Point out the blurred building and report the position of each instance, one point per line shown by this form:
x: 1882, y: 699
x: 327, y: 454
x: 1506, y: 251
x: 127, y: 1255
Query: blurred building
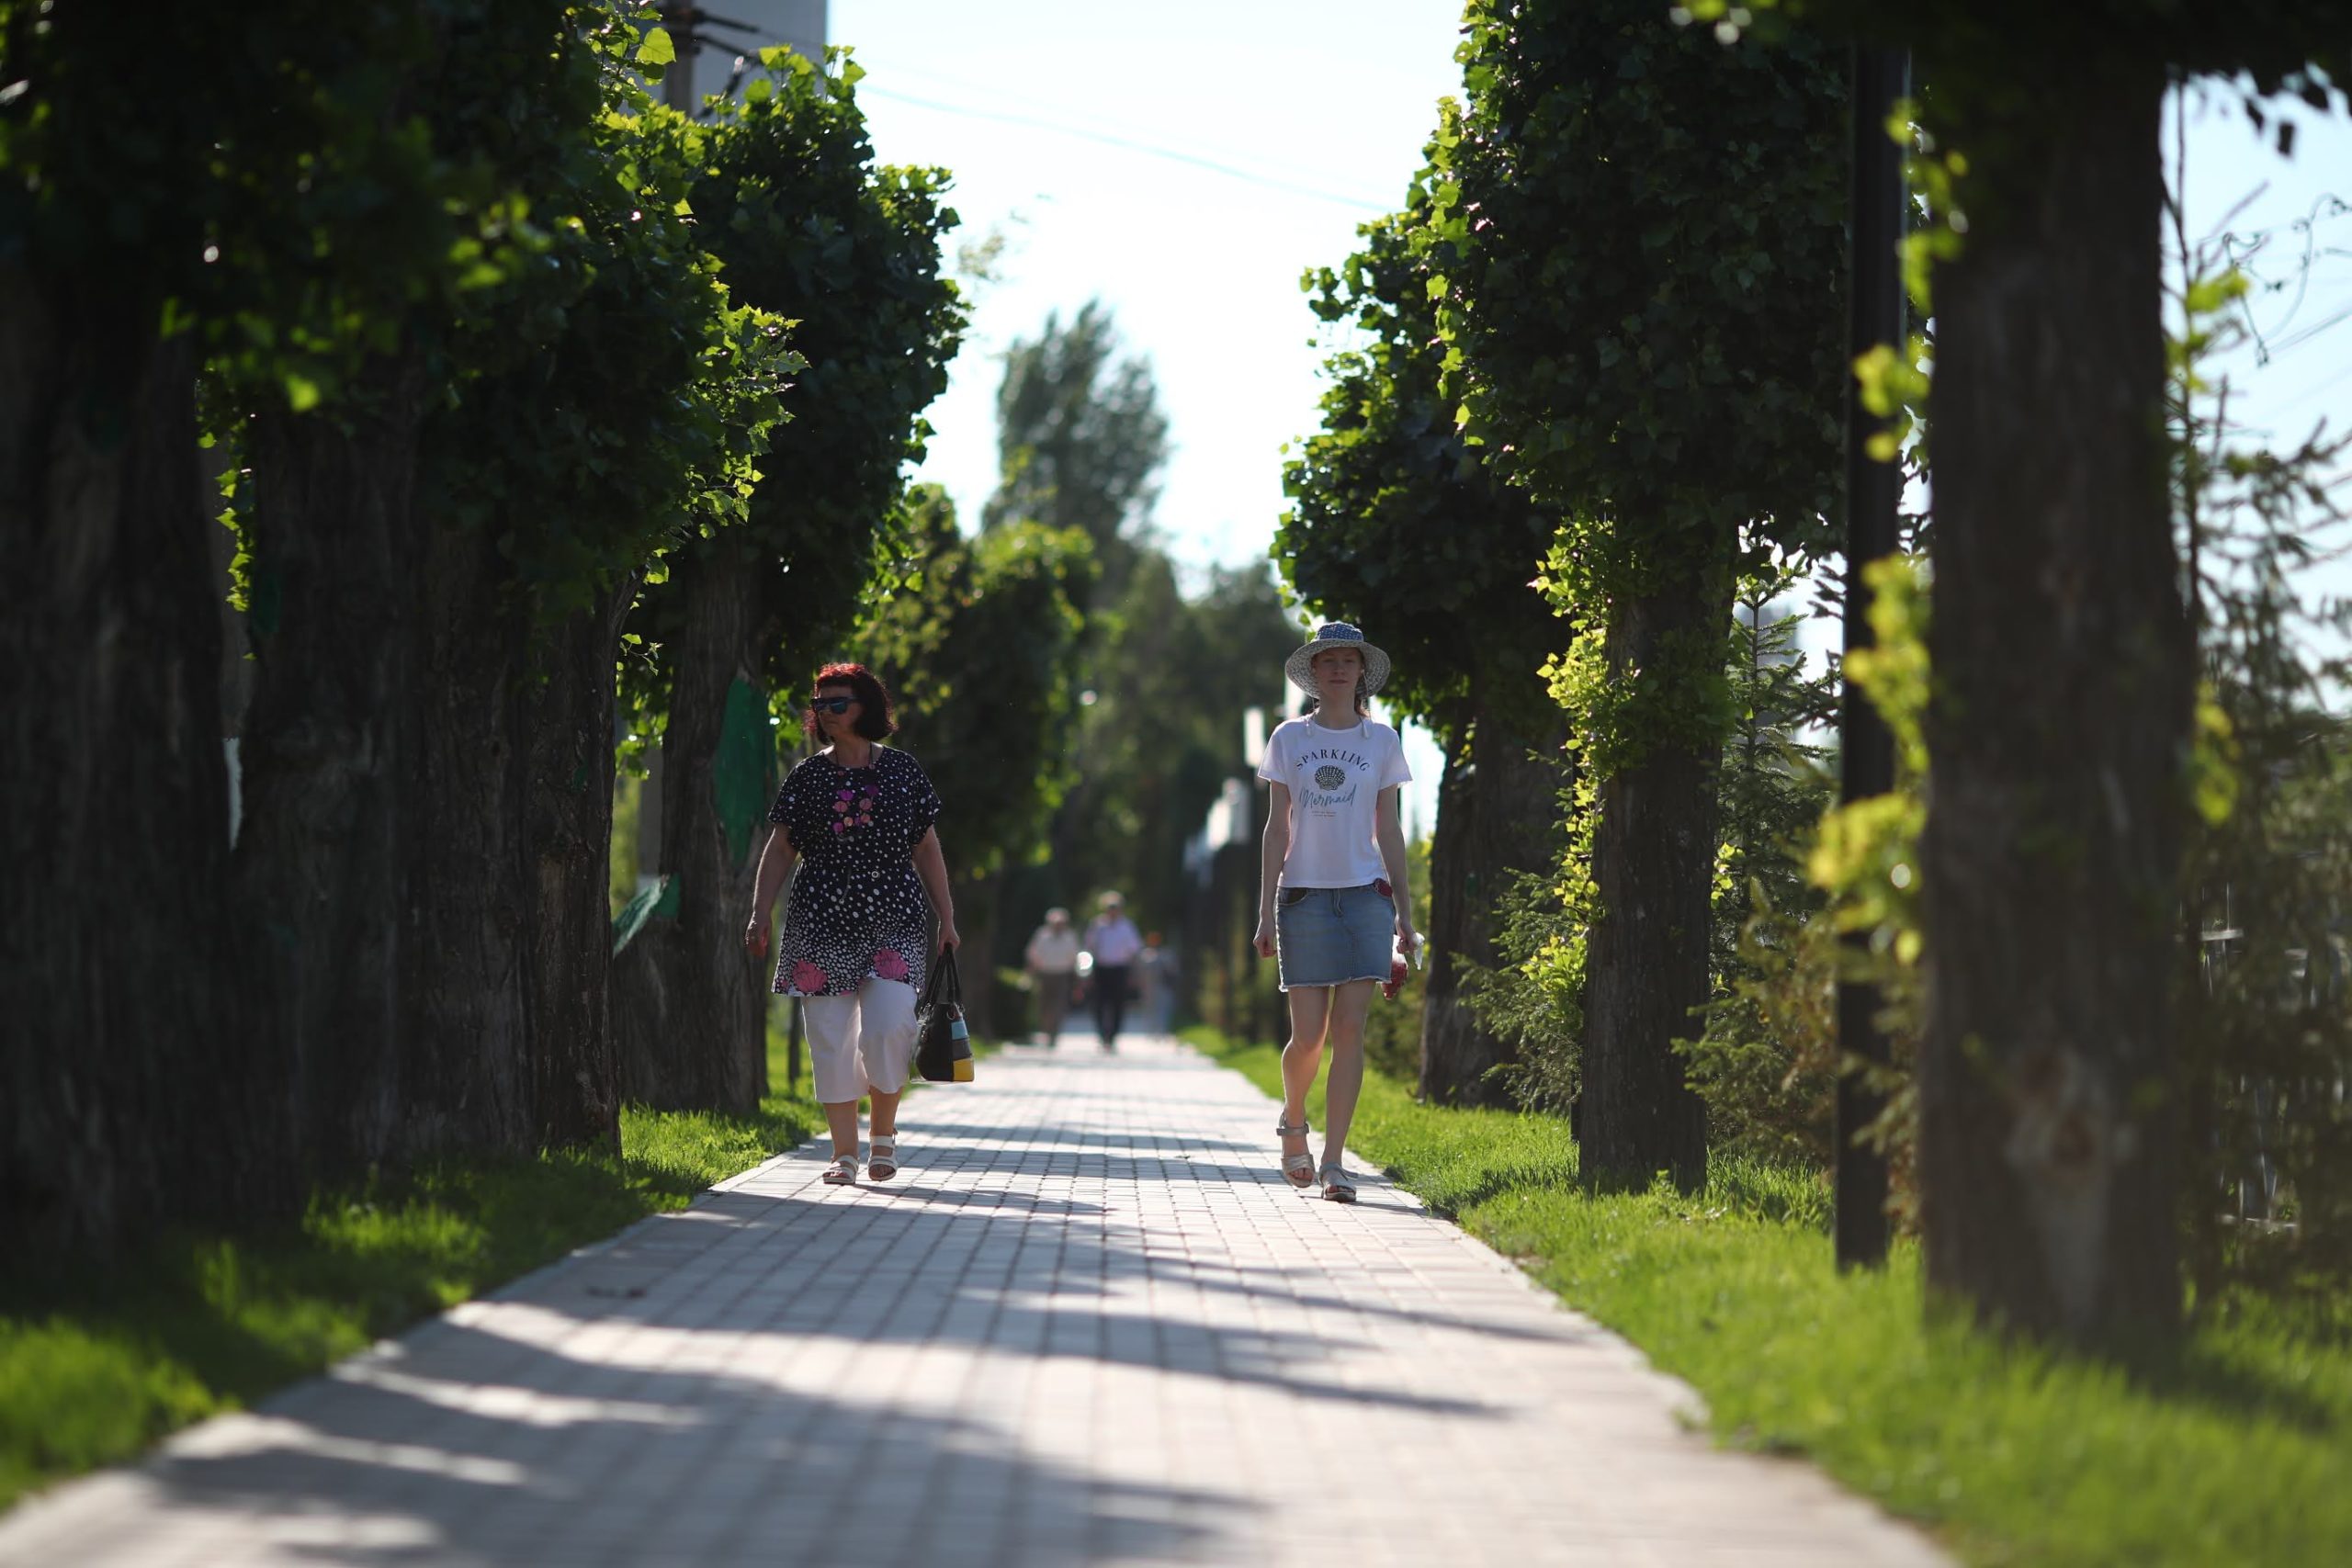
x: 732, y: 29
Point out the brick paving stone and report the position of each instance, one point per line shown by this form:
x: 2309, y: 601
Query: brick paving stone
x: 1088, y: 1323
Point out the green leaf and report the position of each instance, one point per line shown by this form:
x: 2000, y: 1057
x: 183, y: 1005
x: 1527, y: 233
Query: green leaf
x: 657, y: 49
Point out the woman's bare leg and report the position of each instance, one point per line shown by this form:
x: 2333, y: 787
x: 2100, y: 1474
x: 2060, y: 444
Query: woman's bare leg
x: 841, y: 1119
x: 885, y: 1023
x: 1344, y: 1034
x: 1303, y: 1056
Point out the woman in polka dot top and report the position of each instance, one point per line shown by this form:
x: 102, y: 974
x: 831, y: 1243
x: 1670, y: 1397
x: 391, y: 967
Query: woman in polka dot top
x: 856, y: 821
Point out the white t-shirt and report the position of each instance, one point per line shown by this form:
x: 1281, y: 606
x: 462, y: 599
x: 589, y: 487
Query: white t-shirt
x: 1335, y: 777
x: 1053, y: 952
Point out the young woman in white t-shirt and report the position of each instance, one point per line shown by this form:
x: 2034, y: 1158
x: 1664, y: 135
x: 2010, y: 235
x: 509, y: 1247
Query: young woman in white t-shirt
x: 1333, y: 900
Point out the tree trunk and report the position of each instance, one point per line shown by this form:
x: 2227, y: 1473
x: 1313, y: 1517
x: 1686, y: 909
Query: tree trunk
x: 2050, y: 1086
x: 1453, y: 1066
x: 689, y: 1002
x: 319, y: 860
x: 570, y: 823
x: 1496, y: 800
x: 465, y: 1028
x: 1653, y: 862
x: 134, y: 1088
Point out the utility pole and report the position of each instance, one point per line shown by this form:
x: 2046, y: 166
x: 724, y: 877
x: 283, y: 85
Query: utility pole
x: 688, y: 26
x: 1866, y: 749
x: 678, y: 18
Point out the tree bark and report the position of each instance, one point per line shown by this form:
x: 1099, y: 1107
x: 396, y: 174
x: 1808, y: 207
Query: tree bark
x: 1450, y: 1074
x: 465, y: 1028
x: 135, y: 1090
x: 570, y: 823
x: 319, y: 861
x: 2050, y: 1082
x: 1495, y: 800
x: 1652, y: 861
x: 507, y: 946
x: 690, y: 1004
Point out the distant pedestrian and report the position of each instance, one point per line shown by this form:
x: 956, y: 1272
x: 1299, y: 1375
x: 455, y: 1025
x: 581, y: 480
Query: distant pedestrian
x: 1051, y: 959
x: 1156, y: 983
x: 1332, y: 895
x: 1112, y: 942
x: 856, y: 819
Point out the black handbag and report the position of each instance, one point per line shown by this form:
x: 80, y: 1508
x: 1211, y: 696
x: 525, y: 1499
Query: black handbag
x: 942, y: 1046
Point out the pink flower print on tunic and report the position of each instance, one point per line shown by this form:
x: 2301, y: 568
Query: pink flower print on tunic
x: 890, y: 964
x: 853, y: 806
x: 808, y: 979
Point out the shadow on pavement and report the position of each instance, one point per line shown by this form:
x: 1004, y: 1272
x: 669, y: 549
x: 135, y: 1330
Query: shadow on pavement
x: 629, y: 1464
x: 680, y: 1441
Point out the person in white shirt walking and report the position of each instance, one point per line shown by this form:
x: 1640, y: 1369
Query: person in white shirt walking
x: 1333, y: 898
x: 1052, y: 963
x: 1112, y: 942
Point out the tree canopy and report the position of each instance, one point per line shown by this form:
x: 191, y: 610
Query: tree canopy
x: 1081, y: 439
x: 1396, y: 520
x: 1678, y: 368
x: 789, y: 201
x: 979, y: 650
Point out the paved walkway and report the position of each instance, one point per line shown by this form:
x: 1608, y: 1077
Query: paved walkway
x: 1087, y: 1325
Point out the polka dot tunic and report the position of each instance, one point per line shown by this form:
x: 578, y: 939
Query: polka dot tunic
x: 857, y: 910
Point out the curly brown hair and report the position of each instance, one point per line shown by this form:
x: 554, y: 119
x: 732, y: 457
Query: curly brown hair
x: 873, y: 720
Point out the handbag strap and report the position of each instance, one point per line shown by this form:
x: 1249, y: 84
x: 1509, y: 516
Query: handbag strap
x: 942, y: 973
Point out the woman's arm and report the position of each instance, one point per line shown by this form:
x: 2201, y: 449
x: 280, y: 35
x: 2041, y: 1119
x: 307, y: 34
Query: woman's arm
x: 1390, y: 834
x: 1272, y: 849
x: 777, y: 858
x: 930, y: 865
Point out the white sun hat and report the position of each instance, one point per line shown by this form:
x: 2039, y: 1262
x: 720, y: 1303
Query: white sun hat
x: 1299, y: 667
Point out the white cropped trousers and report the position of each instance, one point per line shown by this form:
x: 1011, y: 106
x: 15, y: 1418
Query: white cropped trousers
x: 861, y: 1041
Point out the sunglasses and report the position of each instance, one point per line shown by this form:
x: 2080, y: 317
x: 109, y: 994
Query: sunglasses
x: 832, y: 704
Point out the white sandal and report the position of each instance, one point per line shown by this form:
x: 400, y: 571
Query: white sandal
x: 842, y: 1172
x: 882, y: 1156
x: 1298, y: 1170
x: 1336, y: 1185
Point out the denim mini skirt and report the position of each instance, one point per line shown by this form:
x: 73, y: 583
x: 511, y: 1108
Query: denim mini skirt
x: 1328, y: 936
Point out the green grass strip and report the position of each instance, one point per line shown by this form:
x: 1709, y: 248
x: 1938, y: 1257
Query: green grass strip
x: 97, y: 1364
x: 2236, y: 1450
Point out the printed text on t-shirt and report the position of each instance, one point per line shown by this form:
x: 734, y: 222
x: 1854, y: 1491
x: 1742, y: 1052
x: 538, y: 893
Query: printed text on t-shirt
x: 1327, y: 786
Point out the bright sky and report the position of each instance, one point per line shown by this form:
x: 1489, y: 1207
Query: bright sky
x: 1084, y: 132
x: 2294, y: 205
x: 1049, y: 112
x: 2291, y: 211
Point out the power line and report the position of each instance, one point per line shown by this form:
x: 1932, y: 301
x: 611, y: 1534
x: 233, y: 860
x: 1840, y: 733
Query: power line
x: 1172, y: 155
x: 2302, y: 335
x: 2308, y: 393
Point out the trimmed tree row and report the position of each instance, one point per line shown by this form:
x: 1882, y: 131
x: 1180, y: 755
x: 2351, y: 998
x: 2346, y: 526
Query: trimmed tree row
x: 512, y: 381
x: 1600, y: 369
